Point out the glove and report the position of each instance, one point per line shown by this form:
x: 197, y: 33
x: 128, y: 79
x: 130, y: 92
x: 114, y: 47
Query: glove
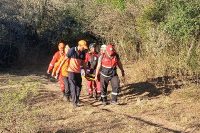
x: 56, y: 76
x: 48, y: 72
x: 82, y: 72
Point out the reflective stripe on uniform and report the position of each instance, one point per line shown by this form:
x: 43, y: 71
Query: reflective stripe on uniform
x: 103, y: 95
x: 113, y: 93
x: 106, y: 66
x: 104, y: 75
x: 51, y: 65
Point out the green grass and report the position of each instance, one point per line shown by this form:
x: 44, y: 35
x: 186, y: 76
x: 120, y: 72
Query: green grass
x: 15, y: 114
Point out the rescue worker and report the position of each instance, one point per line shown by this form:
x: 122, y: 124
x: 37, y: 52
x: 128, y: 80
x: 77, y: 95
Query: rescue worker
x: 91, y: 61
x: 55, y: 59
x: 76, y: 57
x: 107, y: 67
x: 63, y: 66
x: 102, y: 51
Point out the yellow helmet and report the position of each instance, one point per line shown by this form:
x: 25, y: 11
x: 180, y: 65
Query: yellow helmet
x: 83, y: 43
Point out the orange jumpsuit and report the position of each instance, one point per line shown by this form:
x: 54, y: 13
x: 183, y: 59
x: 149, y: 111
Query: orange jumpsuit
x: 54, y: 60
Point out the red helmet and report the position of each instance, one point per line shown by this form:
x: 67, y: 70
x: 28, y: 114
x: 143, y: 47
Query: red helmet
x: 110, y: 49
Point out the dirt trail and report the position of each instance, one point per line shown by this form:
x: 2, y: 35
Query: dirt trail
x: 143, y: 108
x: 60, y: 116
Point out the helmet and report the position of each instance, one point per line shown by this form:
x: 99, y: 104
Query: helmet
x: 103, y: 47
x: 110, y: 49
x: 92, y: 45
x: 83, y: 43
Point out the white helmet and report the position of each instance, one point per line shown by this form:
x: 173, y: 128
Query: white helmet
x: 103, y: 47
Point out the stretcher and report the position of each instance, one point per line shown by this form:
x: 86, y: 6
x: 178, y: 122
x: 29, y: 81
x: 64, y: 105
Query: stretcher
x: 89, y: 77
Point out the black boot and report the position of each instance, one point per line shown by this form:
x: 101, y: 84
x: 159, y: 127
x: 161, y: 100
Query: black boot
x: 114, y: 100
x: 68, y: 98
x: 104, y: 101
x: 100, y: 99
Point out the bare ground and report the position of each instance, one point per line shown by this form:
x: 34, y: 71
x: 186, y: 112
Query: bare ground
x: 143, y: 108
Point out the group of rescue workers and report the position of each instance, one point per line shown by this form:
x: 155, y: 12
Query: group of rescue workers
x: 69, y: 65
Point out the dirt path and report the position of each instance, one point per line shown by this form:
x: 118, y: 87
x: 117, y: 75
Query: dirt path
x: 142, y: 108
x: 60, y: 116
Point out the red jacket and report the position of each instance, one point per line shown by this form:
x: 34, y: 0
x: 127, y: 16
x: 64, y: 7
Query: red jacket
x: 109, y: 65
x: 55, y: 58
x: 109, y: 62
x: 91, y: 59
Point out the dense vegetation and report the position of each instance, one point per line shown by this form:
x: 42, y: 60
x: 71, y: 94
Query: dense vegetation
x: 163, y: 34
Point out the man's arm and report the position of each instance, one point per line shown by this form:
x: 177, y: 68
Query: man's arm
x: 52, y: 63
x: 86, y: 57
x: 98, y: 67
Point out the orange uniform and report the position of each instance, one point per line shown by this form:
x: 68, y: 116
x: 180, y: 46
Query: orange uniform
x: 52, y: 64
x: 64, y: 68
x: 57, y: 64
x: 55, y: 59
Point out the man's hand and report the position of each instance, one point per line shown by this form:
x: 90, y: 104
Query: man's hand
x: 83, y: 72
x: 48, y: 72
x: 95, y: 78
x: 57, y: 74
x: 56, y: 77
x: 52, y: 75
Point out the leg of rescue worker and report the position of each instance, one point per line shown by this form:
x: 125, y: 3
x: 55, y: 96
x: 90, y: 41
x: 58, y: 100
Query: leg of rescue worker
x: 94, y: 92
x: 62, y: 84
x: 90, y: 88
x: 78, y: 86
x: 104, y: 85
x: 72, y: 87
x: 67, y: 90
x: 115, y: 88
x: 98, y: 88
x: 98, y: 85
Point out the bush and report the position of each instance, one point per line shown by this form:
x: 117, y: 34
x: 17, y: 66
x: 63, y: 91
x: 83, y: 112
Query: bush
x: 178, y: 23
x: 183, y: 20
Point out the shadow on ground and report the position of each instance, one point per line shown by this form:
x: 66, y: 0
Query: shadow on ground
x: 43, y: 96
x: 152, y: 87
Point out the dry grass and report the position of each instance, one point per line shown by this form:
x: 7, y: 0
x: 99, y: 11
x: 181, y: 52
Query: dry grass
x: 140, y: 110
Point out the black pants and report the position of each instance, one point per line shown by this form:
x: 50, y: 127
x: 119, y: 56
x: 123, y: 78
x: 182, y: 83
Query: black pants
x: 75, y: 83
x: 67, y: 88
x: 104, y: 85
